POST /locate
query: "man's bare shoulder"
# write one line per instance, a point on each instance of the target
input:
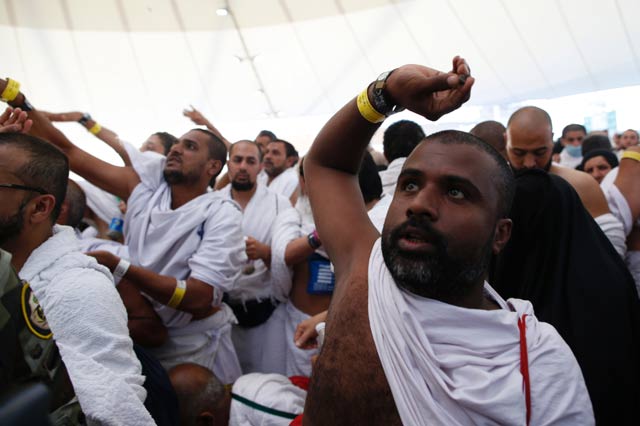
(587, 188)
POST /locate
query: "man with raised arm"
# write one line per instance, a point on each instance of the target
(414, 335)
(186, 246)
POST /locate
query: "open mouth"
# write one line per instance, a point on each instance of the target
(416, 240)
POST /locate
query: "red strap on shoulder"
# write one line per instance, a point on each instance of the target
(297, 421)
(524, 364)
(300, 381)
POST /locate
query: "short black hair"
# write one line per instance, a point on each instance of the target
(573, 128)
(595, 142)
(167, 139)
(607, 154)
(290, 150)
(502, 175)
(76, 201)
(217, 148)
(267, 133)
(247, 141)
(400, 139)
(46, 166)
(369, 179)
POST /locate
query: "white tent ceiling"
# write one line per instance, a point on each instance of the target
(142, 61)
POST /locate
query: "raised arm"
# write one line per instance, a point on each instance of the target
(331, 167)
(119, 181)
(106, 135)
(627, 179)
(199, 119)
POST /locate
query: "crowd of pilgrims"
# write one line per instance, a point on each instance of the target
(226, 291)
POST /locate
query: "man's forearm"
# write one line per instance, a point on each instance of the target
(109, 137)
(197, 299)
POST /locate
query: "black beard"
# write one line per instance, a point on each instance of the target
(174, 177)
(440, 275)
(242, 186)
(12, 226)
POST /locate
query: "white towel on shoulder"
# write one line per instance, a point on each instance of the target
(448, 365)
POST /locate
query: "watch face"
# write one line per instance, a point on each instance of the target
(26, 105)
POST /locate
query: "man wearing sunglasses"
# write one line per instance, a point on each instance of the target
(64, 297)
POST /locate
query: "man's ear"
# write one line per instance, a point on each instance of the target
(501, 235)
(290, 161)
(215, 168)
(40, 208)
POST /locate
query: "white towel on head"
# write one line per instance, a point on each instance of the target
(448, 365)
(103, 204)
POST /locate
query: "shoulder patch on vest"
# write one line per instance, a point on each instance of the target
(33, 314)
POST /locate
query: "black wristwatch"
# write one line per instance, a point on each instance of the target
(26, 105)
(85, 118)
(381, 101)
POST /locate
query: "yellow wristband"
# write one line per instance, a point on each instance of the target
(95, 129)
(366, 109)
(632, 155)
(178, 294)
(10, 91)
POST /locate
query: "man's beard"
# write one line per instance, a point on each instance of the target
(11, 227)
(176, 177)
(273, 171)
(440, 275)
(242, 186)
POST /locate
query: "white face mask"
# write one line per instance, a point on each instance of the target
(574, 151)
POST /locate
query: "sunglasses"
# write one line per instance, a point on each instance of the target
(23, 188)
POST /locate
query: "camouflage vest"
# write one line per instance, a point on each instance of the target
(29, 353)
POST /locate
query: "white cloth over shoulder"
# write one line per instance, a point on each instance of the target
(201, 239)
(618, 204)
(389, 177)
(89, 325)
(269, 390)
(614, 231)
(448, 365)
(284, 184)
(378, 214)
(258, 221)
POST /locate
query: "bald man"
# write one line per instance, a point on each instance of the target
(529, 146)
(255, 399)
(492, 133)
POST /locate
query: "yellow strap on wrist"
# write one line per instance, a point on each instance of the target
(632, 155)
(178, 294)
(95, 129)
(366, 109)
(10, 91)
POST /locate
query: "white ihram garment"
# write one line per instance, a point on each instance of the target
(89, 325)
(269, 390)
(389, 177)
(201, 239)
(255, 344)
(284, 184)
(448, 365)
